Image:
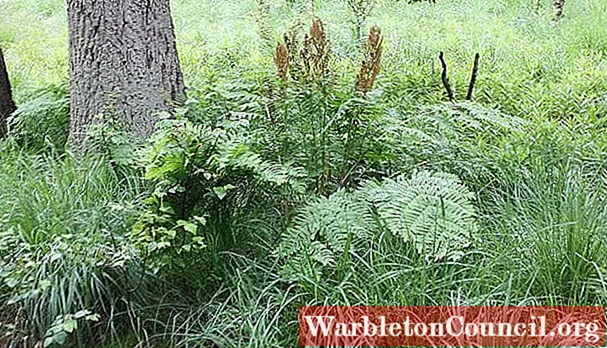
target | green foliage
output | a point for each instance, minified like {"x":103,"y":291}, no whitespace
{"x":107,"y":138}
{"x":457,"y":138}
{"x":348,"y":190}
{"x":321,"y":130}
{"x":62,"y":245}
{"x":323,"y":231}
{"x":63,"y":326}
{"x":361,"y":9}
{"x":43,"y":121}
{"x":434,"y":212}
{"x":198,"y":173}
{"x":431,"y":212}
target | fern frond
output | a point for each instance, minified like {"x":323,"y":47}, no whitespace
{"x":432,"y":210}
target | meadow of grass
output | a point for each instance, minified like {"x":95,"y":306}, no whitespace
{"x":98,"y":251}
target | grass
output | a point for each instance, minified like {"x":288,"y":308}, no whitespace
{"x":63,"y":225}
{"x":536,"y":167}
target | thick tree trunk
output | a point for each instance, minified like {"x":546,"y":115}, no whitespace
{"x":7,"y":106}
{"x":123,"y":63}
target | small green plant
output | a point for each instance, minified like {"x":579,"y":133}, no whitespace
{"x":107,"y":138}
{"x":198,"y":174}
{"x":361,"y":9}
{"x":63,"y":326}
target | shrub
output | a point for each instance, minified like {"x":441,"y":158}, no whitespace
{"x":201,"y":177}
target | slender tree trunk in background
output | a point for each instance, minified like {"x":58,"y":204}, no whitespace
{"x":263,"y":22}
{"x":7,"y":106}
{"x":538,"y":6}
{"x":558,"y":9}
{"x":123,"y":61}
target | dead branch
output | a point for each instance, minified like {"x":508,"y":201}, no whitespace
{"x":444,"y":76}
{"x":477,"y":58}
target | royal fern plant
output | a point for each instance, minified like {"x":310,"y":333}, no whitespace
{"x":433,"y":212}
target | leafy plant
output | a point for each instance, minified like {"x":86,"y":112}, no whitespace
{"x":432,"y":212}
{"x":318,"y":123}
{"x":63,"y":326}
{"x":322,"y":232}
{"x":107,"y":138}
{"x":64,"y":251}
{"x":43,"y":121}
{"x":199,"y":174}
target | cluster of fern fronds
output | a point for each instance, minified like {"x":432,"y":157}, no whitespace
{"x":431,"y":212}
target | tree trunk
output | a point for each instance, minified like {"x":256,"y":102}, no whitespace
{"x":538,"y":6}
{"x":7,"y":106}
{"x":558,"y":9}
{"x":123,"y":64}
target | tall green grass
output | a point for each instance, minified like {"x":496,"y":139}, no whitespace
{"x":62,"y":241}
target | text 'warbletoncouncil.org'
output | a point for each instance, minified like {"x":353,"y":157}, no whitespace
{"x":452,"y":326}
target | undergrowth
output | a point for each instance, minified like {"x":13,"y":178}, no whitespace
{"x":314,"y":164}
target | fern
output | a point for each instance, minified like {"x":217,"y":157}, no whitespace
{"x":322,"y":231}
{"x":458,"y":121}
{"x":202,"y":176}
{"x":433,"y":212}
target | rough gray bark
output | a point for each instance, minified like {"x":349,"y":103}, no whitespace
{"x":123,"y":62}
{"x":7,"y":106}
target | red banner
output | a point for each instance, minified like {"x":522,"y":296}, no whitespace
{"x":452,"y":326}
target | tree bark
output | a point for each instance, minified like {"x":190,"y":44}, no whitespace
{"x":123,"y":64}
{"x":7,"y":106}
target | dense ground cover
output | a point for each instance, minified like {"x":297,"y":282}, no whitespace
{"x":259,"y":196}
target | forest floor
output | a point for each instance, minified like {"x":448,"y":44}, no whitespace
{"x":312,"y":192}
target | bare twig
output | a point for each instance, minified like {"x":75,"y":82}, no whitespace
{"x":444,"y":77}
{"x":477,"y":58}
